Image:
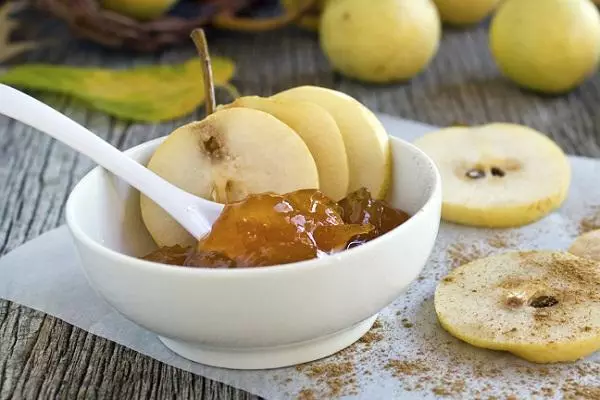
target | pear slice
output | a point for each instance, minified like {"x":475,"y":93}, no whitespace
{"x":497,"y":175}
{"x":320,"y":133}
{"x":587,"y":245}
{"x":225,"y":157}
{"x":365,"y":138}
{"x":542,"y":306}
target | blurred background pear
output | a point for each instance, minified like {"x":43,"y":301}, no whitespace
{"x":380,"y":41}
{"x":465,"y":12}
{"x":549,"y":46}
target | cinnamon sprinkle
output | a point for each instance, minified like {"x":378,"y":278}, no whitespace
{"x":504,"y":240}
{"x":581,"y":392}
{"x":339,"y":376}
{"x":459,"y":254}
{"x":306,"y":394}
{"x":331,"y":370}
{"x":458,"y":376}
{"x":406,"y":323}
{"x":371,"y":337}
{"x":449,"y":388}
{"x":402,"y":367}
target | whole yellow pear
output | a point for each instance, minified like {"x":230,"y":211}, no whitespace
{"x":142,"y":10}
{"x":465,"y":12}
{"x":550,"y":46}
{"x":380,"y":41}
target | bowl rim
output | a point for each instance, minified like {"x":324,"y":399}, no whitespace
{"x":300,"y":266}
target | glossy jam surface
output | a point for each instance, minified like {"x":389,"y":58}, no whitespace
{"x":270,"y":229}
{"x":360,"y":208}
{"x":174,"y":255}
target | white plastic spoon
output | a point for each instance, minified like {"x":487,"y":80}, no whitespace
{"x":193,"y":213}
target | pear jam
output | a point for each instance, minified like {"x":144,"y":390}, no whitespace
{"x":271,"y":229}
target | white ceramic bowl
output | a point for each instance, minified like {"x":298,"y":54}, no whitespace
{"x":253,"y":318}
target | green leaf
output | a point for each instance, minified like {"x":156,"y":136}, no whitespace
{"x":148,"y":94}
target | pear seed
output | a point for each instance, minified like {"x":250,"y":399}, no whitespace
{"x":543,"y":301}
{"x":497,"y":172}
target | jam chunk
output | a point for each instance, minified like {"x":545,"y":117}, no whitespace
{"x":172,"y":255}
{"x":360,"y":208}
{"x":269,"y":229}
{"x":210,"y":259}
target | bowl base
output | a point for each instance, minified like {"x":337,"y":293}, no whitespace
{"x":271,"y":357}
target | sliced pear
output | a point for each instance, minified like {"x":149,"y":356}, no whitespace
{"x":365,"y":138}
{"x":225,"y":157}
{"x":320,"y":133}
{"x":587,"y":245}
{"x":542,"y":306}
{"x":497,"y":175}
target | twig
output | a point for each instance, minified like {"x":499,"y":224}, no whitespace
{"x":199,"y":39}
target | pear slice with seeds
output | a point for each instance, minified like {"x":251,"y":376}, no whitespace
{"x":543,"y":306}
{"x":365,"y":138}
{"x":497,"y":175}
{"x":319,"y":131}
{"x":587,"y":245}
{"x":225,"y":157}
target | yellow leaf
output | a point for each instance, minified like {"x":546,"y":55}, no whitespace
{"x":149,"y":93}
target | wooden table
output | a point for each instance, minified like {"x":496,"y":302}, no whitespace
{"x":43,"y":357}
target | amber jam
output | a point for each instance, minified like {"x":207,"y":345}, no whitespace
{"x":270,"y":229}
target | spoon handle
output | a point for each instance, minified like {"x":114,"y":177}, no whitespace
{"x":182,"y":206}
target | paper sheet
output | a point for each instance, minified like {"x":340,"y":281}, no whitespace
{"x":408,"y":356}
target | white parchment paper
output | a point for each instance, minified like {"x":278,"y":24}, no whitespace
{"x":408,"y":356}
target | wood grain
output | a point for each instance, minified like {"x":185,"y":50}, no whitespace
{"x":42,"y":357}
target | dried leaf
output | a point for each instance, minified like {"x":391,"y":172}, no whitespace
{"x":149,"y":93}
{"x":7,"y":25}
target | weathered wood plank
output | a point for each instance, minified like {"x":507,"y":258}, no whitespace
{"x":42,"y":357}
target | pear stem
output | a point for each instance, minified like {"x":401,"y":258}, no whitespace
{"x":201,"y":44}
